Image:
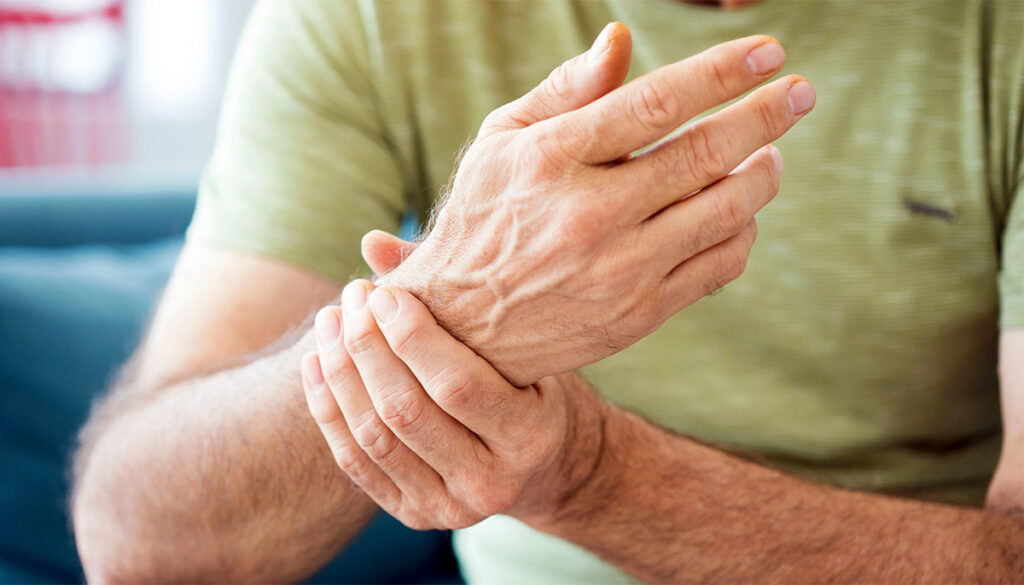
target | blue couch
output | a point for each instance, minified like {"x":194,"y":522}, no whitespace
{"x":78,"y":278}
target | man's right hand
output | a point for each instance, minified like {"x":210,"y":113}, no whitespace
{"x":556,"y":247}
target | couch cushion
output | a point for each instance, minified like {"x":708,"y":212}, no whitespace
{"x":50,"y":219}
{"x":68,"y":316}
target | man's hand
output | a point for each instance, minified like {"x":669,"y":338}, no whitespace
{"x":437,"y":438}
{"x":556,"y":247}
{"x":430,"y":430}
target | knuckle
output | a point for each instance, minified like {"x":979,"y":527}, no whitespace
{"x":337,"y":371}
{"x":375,"y":438}
{"x":731,"y":212}
{"x":544,"y":157}
{"x":409,"y":333}
{"x":581,"y":224}
{"x":351,"y":461}
{"x":402,"y":412}
{"x":653,"y":107}
{"x":720,"y":75}
{"x":734,"y":261}
{"x":768,"y":119}
{"x":453,"y":388}
{"x":490,"y":498}
{"x":704,"y":154}
{"x":359,"y":341}
{"x":559,"y":82}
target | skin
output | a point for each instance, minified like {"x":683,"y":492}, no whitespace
{"x":203,"y":464}
{"x":513,"y":248}
{"x":439,"y":439}
{"x":273,"y":491}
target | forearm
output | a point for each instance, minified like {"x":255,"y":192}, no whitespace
{"x":668,"y":509}
{"x":223,"y":478}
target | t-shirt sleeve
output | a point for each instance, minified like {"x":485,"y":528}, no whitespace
{"x":1006,"y":94}
{"x":302,"y":166}
{"x":1011,"y":276}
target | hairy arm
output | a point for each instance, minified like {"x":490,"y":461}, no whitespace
{"x":659,"y":506}
{"x":188,"y":475}
{"x":667,"y":509}
{"x":227,"y":471}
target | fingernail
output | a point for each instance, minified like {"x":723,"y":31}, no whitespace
{"x":353,"y":298}
{"x":328,"y":329}
{"x":311,"y":371}
{"x":801,"y":97}
{"x":765,"y":58}
{"x":383,"y":305}
{"x":776,"y":157}
{"x":601,"y":43}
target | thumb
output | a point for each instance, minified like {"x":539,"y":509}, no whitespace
{"x":572,"y":85}
{"x":383,"y":251}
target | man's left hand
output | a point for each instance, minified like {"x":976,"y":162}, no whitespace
{"x":429,"y":430}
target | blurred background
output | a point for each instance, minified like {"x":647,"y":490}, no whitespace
{"x":111,"y":93}
{"x":108,"y":114}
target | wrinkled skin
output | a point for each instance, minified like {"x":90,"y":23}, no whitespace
{"x":556,"y":247}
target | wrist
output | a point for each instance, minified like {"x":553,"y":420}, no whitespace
{"x":466,"y":308}
{"x":583,"y":476}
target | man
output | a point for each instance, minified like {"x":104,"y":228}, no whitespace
{"x":858,"y":350}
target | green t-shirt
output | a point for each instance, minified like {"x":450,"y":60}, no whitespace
{"x":858,"y":349}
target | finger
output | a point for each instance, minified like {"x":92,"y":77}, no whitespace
{"x":717,"y":213}
{"x":649,"y":107}
{"x":572,"y":84}
{"x":459,"y":381}
{"x":709,"y":149}
{"x":369,"y":431}
{"x":347,"y":454}
{"x":708,"y":271}
{"x":399,"y":399}
{"x":384,"y":252}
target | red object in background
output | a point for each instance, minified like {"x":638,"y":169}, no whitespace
{"x":59,"y":100}
{"x":39,"y":129}
{"x":113,"y":10}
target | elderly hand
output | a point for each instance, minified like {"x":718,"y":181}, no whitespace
{"x":430,"y":430}
{"x":556,"y":248}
